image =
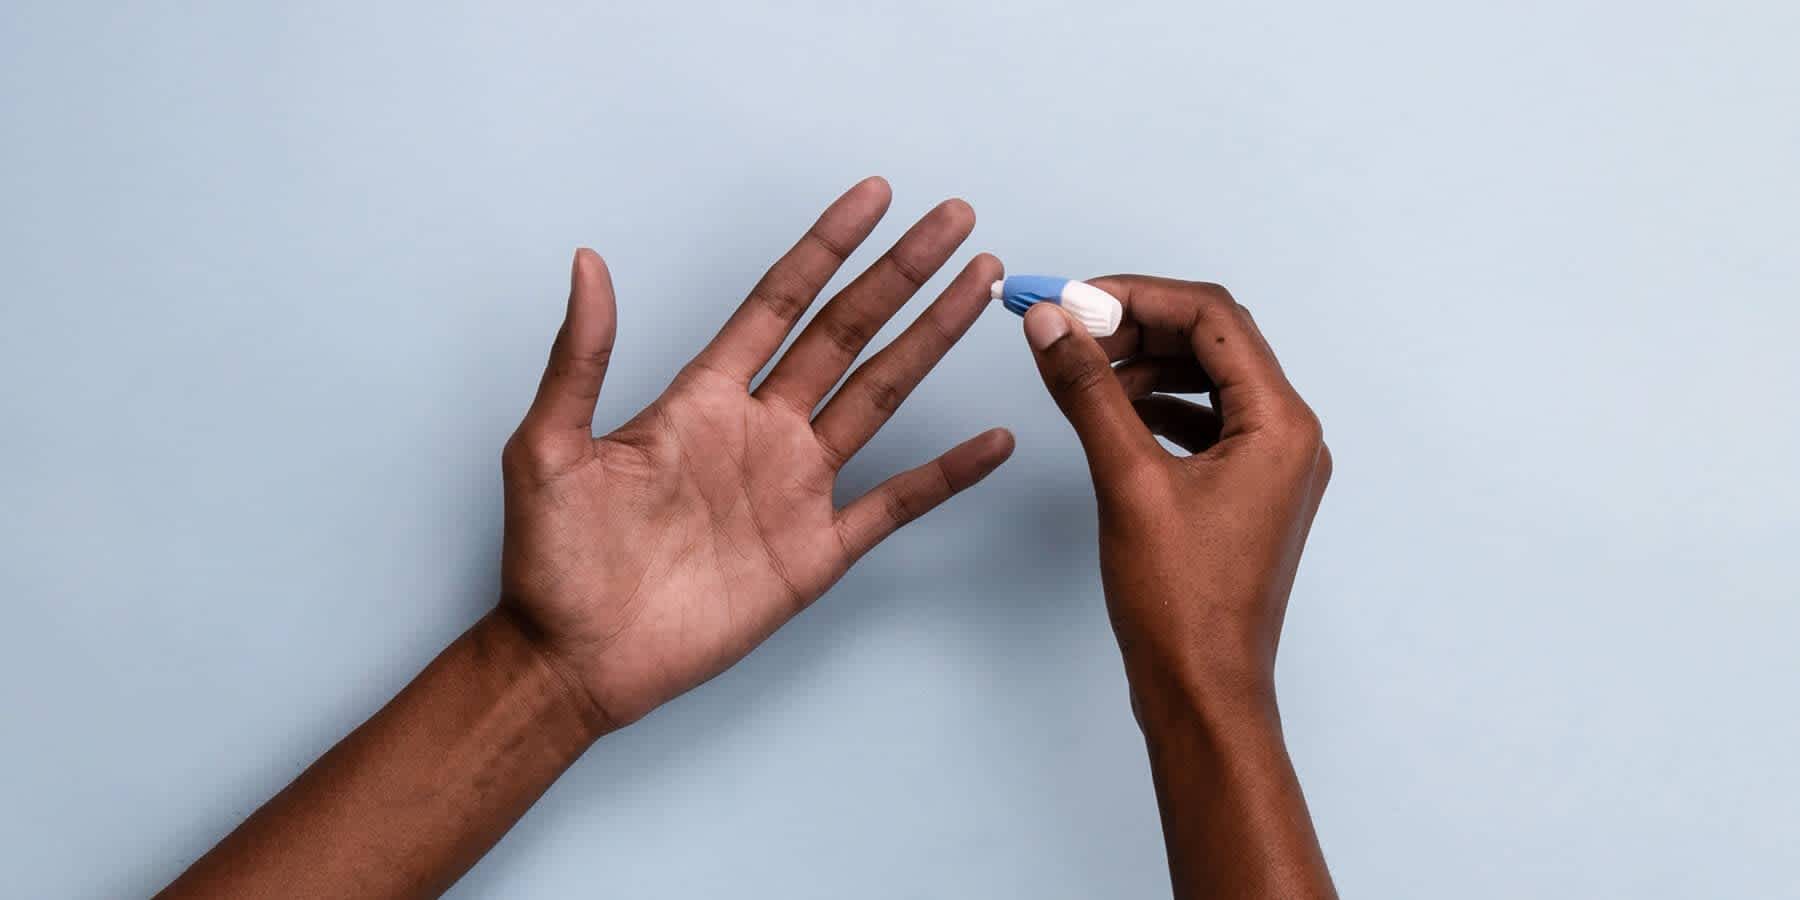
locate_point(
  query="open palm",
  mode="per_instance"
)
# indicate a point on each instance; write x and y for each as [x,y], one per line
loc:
[652,558]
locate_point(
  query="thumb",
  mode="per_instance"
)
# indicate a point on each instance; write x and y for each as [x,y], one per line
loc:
[1080,378]
[563,411]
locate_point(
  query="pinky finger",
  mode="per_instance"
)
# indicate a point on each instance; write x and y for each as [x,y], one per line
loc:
[869,519]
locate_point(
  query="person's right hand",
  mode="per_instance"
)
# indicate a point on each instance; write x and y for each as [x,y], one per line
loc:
[1198,551]
[1197,554]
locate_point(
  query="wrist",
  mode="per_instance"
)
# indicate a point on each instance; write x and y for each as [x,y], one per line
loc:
[514,641]
[1167,694]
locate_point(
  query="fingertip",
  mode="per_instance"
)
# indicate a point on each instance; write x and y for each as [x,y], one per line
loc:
[588,263]
[1045,324]
[989,266]
[997,444]
[849,219]
[977,457]
[875,186]
[591,306]
[1005,444]
[960,212]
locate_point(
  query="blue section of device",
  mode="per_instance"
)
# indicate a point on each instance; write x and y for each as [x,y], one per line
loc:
[1019,292]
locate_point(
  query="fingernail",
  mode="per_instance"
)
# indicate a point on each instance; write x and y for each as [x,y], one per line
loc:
[1045,326]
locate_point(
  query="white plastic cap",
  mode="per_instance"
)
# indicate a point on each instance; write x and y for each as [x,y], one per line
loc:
[997,290]
[1097,311]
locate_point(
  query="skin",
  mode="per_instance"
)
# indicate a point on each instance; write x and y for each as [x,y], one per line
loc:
[651,559]
[1198,552]
[639,564]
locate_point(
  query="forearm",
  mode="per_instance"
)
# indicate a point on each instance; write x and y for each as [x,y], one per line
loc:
[411,799]
[1234,819]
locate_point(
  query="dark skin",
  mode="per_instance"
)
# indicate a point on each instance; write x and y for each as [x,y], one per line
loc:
[1197,554]
[639,564]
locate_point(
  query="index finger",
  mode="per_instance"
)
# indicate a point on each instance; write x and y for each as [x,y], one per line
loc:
[1165,317]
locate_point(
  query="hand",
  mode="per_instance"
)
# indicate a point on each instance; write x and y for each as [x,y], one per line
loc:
[1197,552]
[647,561]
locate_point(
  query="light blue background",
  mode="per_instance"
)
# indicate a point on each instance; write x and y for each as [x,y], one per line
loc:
[278,282]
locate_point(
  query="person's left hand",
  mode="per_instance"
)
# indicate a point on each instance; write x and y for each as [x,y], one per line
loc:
[648,560]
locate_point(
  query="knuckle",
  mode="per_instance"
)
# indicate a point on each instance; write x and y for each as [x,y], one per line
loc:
[849,335]
[909,271]
[629,451]
[581,366]
[1215,304]
[1212,289]
[1146,474]
[1079,377]
[838,250]
[593,360]
[836,457]
[1208,306]
[1142,482]
[518,455]
[782,295]
[899,508]
[904,505]
[884,394]
[938,335]
[1325,465]
[1207,292]
[1299,427]
[1312,431]
[536,456]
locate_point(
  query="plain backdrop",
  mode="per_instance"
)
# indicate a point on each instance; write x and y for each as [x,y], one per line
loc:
[278,280]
